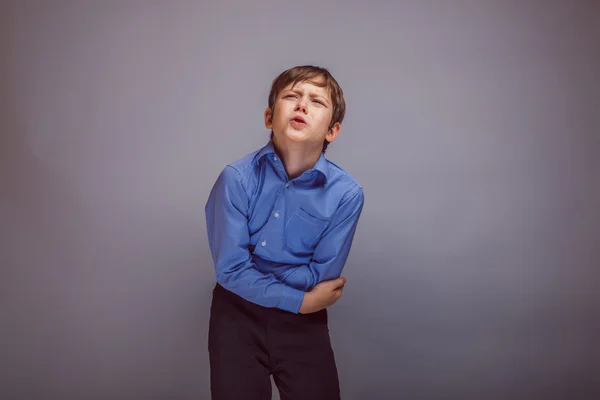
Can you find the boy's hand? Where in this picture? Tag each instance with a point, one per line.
(322, 296)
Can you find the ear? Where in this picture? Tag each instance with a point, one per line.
(333, 132)
(268, 118)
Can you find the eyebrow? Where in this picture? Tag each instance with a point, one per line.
(311, 94)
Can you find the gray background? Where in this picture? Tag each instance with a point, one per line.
(472, 125)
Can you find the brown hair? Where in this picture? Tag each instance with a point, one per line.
(318, 76)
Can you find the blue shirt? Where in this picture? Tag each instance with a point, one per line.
(271, 238)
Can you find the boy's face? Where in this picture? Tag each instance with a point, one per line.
(302, 114)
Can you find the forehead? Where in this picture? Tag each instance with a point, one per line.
(311, 86)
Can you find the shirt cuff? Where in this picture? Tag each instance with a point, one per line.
(292, 299)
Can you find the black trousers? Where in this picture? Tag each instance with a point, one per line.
(248, 343)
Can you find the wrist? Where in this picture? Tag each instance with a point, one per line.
(307, 305)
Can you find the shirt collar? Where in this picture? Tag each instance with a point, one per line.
(321, 165)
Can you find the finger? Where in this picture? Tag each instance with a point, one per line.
(339, 282)
(330, 284)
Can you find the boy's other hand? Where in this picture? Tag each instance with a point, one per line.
(323, 295)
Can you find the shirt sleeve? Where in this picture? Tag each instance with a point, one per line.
(228, 237)
(333, 249)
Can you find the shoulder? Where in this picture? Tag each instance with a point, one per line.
(344, 182)
(245, 164)
(242, 169)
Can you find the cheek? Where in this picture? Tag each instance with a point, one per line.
(280, 113)
(324, 120)
(279, 120)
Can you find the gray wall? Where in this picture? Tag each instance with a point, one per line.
(472, 125)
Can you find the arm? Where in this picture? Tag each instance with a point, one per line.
(228, 238)
(332, 250)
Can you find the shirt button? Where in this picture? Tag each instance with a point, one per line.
(275, 158)
(276, 214)
(287, 185)
(264, 243)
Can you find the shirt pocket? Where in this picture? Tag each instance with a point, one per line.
(302, 232)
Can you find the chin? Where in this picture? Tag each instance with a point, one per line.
(296, 138)
(292, 135)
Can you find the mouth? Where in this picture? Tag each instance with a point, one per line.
(298, 122)
(298, 118)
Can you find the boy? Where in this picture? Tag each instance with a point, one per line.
(280, 225)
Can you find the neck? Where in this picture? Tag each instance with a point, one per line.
(296, 157)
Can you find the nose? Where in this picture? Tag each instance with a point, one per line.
(301, 105)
